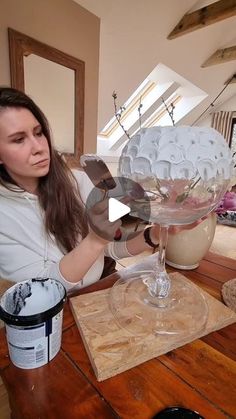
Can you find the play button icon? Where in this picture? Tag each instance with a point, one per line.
(113, 204)
(116, 209)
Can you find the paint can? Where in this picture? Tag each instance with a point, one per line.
(33, 312)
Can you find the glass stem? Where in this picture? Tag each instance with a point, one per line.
(163, 238)
(161, 287)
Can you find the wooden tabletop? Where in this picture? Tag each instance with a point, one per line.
(200, 376)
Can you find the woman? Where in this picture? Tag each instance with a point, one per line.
(43, 225)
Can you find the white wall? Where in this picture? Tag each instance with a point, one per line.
(64, 25)
(134, 40)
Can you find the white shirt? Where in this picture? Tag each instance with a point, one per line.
(26, 251)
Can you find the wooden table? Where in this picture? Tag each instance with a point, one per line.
(200, 375)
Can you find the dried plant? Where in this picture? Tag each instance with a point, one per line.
(118, 114)
(139, 112)
(119, 111)
(170, 111)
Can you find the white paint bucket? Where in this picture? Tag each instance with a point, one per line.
(33, 311)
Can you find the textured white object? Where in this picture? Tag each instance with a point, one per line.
(197, 149)
(184, 168)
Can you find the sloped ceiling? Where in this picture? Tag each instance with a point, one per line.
(133, 41)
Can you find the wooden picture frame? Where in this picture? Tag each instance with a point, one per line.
(21, 45)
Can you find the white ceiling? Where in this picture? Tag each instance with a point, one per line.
(134, 40)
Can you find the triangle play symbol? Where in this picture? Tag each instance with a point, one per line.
(116, 209)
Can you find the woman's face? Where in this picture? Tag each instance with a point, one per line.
(24, 150)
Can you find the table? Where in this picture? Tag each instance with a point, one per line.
(200, 376)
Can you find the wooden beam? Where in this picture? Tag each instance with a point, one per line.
(205, 16)
(221, 56)
(232, 79)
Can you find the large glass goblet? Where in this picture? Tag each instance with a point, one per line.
(184, 172)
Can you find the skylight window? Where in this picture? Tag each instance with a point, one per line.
(161, 84)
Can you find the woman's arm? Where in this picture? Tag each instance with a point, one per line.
(75, 264)
(26, 252)
(20, 261)
(135, 242)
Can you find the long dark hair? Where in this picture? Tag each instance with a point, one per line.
(57, 191)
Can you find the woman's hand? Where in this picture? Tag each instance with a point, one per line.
(178, 229)
(155, 230)
(99, 222)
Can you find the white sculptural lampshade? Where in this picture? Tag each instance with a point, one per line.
(187, 169)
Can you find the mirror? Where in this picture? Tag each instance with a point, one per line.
(55, 81)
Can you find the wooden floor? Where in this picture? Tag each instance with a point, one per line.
(224, 243)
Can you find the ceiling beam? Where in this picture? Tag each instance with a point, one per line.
(214, 12)
(221, 56)
(232, 79)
